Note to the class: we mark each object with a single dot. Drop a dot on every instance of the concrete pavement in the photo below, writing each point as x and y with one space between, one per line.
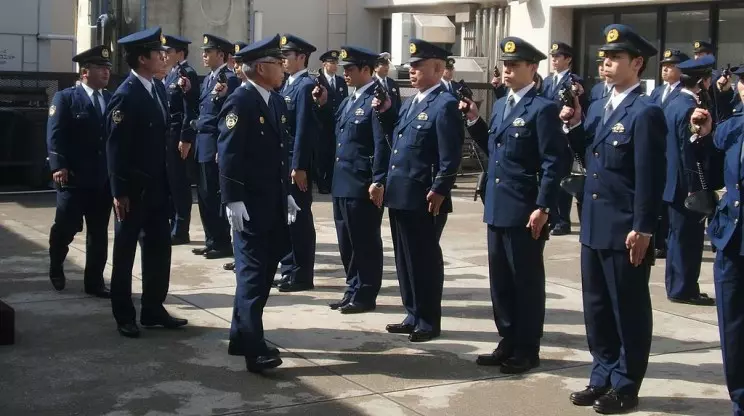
69 359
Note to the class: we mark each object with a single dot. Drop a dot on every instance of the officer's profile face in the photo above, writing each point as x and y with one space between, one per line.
354 76
740 89
383 70
152 63
212 58
330 67
620 68
294 62
670 73
426 73
519 74
171 57
163 67
271 72
560 62
448 74
96 76
600 70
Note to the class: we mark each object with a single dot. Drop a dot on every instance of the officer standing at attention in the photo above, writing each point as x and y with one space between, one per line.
382 69
303 126
253 144
77 159
624 141
183 103
326 146
428 137
526 151
362 155
448 75
136 125
213 94
725 232
603 88
686 228
721 92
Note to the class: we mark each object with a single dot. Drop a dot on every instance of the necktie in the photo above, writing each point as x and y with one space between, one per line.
350 104
414 103
333 83
555 82
509 106
608 112
667 90
97 103
157 100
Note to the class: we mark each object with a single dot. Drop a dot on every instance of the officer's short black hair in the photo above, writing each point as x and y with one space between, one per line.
131 56
361 66
184 50
643 66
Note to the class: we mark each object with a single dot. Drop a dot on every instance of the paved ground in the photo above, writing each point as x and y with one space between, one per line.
69 360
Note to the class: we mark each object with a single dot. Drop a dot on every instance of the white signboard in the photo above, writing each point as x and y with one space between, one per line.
11 49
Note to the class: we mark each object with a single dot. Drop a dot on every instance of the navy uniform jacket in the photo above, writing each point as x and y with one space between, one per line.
598 92
625 164
393 91
426 155
327 113
135 144
362 150
525 156
681 176
206 124
551 93
303 123
252 155
658 93
738 107
183 107
75 138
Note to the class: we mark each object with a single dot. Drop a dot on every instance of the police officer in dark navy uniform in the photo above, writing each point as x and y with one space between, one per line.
304 127
725 232
720 92
77 159
216 50
362 154
601 89
382 69
686 228
527 148
183 99
427 148
136 124
253 150
624 138
326 146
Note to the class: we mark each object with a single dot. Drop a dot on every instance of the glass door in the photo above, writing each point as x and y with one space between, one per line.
646 24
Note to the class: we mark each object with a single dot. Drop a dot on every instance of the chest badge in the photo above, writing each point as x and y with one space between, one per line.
261 120
394 90
518 122
287 99
618 128
52 110
117 116
231 120
422 117
284 119
359 112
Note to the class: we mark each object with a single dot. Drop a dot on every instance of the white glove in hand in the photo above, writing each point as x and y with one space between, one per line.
236 213
292 210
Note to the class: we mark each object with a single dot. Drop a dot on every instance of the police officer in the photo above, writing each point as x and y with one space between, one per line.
302 122
427 147
725 232
183 103
624 159
686 228
253 144
526 152
326 146
216 50
77 159
382 69
603 88
721 92
136 123
449 75
362 154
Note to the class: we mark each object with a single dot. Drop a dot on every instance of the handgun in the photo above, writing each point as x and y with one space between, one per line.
462 91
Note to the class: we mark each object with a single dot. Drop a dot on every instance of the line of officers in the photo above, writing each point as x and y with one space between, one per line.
405 156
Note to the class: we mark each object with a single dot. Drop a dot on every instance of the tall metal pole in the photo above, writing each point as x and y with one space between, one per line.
143 14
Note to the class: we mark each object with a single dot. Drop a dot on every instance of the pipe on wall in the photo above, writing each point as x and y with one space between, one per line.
143 14
478 33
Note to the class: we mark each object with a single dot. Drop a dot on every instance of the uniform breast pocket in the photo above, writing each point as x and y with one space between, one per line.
81 116
518 142
290 105
618 150
421 129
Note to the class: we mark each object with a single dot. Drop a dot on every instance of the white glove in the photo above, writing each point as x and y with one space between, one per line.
236 213
292 210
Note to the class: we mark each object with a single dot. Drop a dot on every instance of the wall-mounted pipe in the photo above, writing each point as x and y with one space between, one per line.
143 14
478 33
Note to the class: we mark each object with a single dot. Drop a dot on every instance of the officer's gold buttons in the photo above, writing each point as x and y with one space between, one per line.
497 180
281 145
596 154
392 167
595 176
736 204
595 196
342 130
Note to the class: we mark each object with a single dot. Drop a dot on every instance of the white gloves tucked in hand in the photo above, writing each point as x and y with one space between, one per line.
236 213
292 210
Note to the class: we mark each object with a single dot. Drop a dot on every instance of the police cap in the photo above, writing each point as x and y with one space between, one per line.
219 43
697 68
294 43
421 50
674 56
622 38
330 56
450 64
356 55
561 48
99 55
701 46
517 49
264 48
176 42
151 39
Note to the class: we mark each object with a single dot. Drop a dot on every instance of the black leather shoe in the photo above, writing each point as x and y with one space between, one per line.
660 254
400 328
234 349
57 276
560 230
699 300
288 286
229 266
218 254
419 335
199 251
343 302
102 292
280 281
496 358
262 363
587 396
179 241
613 403
352 307
166 321
130 330
519 365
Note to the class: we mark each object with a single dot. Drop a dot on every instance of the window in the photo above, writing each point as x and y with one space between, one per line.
387 29
646 25
730 47
591 35
685 26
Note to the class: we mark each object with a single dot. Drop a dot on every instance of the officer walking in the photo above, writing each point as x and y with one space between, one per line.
183 103
326 146
427 148
725 232
77 159
624 159
362 154
526 151
253 143
136 124
382 69
303 126
216 50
